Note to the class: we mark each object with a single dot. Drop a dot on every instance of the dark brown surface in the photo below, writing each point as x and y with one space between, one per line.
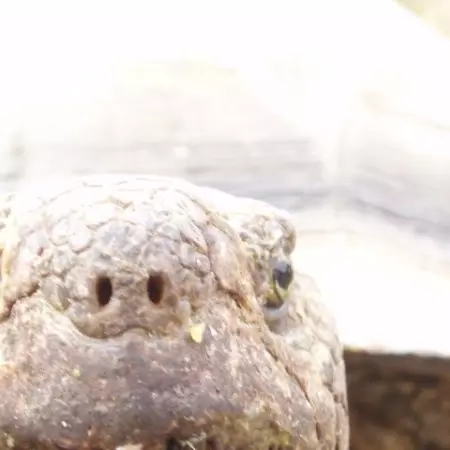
88 364
398 402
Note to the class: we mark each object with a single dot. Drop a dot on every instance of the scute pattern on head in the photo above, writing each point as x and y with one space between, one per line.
126 370
85 231
267 233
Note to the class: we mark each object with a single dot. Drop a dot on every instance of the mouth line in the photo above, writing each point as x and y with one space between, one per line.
193 443
134 331
213 443
138 332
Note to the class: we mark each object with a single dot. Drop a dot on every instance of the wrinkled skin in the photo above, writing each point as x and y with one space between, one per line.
106 282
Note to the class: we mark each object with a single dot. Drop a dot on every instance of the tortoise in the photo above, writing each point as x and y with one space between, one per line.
145 312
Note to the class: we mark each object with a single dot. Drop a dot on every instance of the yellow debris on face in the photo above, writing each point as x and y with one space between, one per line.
197 331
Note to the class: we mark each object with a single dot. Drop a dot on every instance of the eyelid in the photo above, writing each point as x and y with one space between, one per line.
275 314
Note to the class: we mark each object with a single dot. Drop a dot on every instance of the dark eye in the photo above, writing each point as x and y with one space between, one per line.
276 306
283 274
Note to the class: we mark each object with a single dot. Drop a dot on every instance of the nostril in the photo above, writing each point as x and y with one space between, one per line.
103 290
155 288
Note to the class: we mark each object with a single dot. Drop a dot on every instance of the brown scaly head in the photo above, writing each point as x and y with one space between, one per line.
147 313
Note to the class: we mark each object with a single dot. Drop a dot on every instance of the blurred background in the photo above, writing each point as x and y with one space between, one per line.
337 110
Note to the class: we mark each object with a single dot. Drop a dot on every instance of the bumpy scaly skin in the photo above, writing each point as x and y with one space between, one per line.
76 374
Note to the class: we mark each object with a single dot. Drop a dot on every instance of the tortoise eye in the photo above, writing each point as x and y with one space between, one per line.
283 274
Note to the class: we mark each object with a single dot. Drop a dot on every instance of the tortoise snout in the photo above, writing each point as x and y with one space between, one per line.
156 287
114 303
